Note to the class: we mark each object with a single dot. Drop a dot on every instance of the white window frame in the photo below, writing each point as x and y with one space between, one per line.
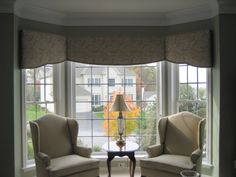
59 95
174 75
71 94
166 90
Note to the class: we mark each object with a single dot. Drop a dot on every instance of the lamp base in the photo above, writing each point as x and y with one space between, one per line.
120 143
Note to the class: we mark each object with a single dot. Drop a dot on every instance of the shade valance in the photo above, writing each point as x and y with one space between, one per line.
40 48
192 48
116 48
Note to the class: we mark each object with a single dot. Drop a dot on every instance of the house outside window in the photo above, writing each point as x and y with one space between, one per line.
94 81
96 99
128 82
111 82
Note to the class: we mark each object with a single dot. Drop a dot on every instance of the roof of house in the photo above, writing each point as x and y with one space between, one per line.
80 91
148 94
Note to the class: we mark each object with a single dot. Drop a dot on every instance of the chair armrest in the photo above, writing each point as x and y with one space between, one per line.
154 150
195 155
83 151
43 158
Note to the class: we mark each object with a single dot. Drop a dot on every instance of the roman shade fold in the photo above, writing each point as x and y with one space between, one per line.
192 48
116 48
39 48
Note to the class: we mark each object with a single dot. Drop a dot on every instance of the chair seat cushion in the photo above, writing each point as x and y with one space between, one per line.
168 162
70 164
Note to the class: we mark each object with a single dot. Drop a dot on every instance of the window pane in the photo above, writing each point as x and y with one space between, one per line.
39 75
40 93
98 129
39 98
98 142
102 84
149 92
50 108
192 74
83 110
41 109
30 112
85 141
49 74
82 93
148 75
145 141
29 93
192 91
202 92
116 88
202 74
30 149
183 91
29 76
83 75
49 93
85 127
111 82
202 109
183 74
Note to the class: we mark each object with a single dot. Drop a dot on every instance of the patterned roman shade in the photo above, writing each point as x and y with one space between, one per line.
38 48
116 48
192 48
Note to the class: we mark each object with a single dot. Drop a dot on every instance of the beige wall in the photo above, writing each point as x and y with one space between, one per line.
227 149
6 94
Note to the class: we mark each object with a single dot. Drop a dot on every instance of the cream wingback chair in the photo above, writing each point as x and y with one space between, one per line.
56 151
180 146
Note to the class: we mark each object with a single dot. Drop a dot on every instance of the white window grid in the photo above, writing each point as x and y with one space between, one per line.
207 160
43 104
107 82
70 109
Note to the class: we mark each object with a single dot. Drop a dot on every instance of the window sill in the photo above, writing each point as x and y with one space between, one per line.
101 157
207 165
29 167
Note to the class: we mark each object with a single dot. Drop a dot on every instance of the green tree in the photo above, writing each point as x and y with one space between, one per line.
190 101
148 126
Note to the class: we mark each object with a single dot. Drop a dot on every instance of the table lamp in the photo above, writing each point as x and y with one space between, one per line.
118 106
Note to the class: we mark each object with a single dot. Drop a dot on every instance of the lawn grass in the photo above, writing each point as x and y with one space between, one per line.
99 114
34 111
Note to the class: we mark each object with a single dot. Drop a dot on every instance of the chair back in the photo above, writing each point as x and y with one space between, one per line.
183 133
51 135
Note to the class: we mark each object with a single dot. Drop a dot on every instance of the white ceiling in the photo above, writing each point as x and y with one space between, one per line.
115 12
117 5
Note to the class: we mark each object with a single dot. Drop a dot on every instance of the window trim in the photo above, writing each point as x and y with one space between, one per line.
173 106
59 91
64 91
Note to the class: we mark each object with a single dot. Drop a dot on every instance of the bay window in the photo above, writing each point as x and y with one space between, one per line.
91 89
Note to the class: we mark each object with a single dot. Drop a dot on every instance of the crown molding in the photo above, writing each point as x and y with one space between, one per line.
114 19
196 13
7 6
32 12
227 7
